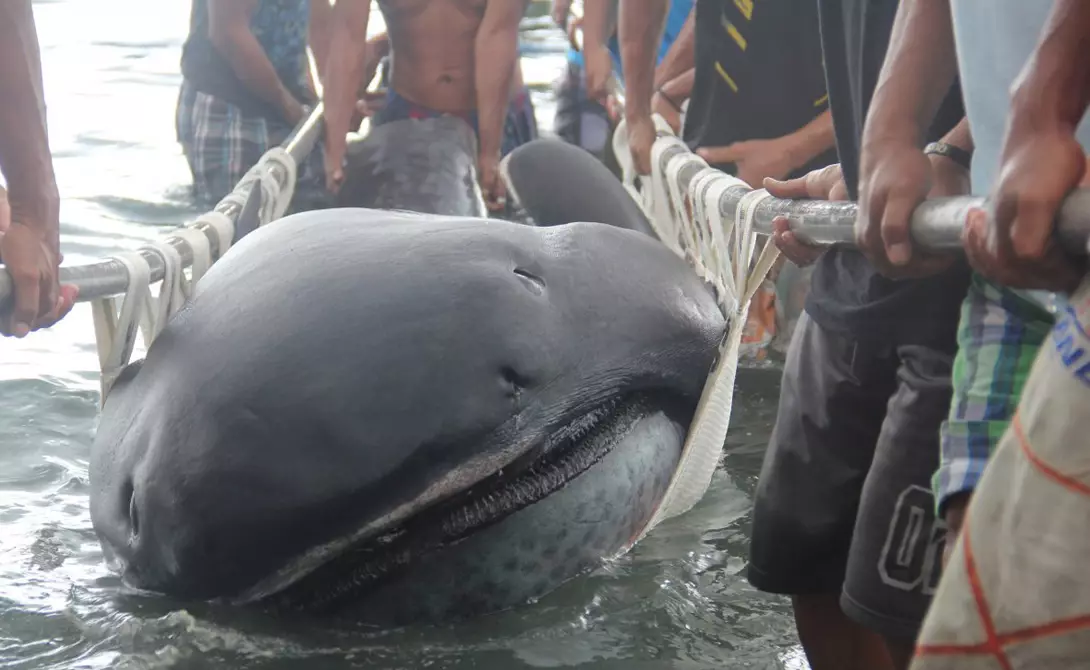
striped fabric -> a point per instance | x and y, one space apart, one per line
221 143
999 335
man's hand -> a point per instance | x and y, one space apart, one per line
598 64
755 160
664 108
1015 246
33 264
560 11
824 184
335 146
895 177
641 135
492 186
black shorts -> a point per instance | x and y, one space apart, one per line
844 503
580 120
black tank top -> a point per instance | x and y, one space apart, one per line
759 74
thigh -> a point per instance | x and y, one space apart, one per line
895 558
832 401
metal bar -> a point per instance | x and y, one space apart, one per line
109 277
936 225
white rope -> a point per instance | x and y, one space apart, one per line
158 309
115 332
721 247
201 250
220 224
277 199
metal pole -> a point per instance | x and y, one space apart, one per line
936 225
109 277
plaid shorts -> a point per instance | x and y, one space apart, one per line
999 335
221 144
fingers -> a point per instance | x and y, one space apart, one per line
793 189
789 245
66 299
839 191
894 229
27 299
727 154
989 253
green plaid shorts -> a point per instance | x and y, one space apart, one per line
999 334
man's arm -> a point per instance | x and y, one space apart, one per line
680 88
1042 160
918 71
641 26
25 159
496 50
341 81
681 56
895 175
30 229
1054 86
229 32
321 24
599 22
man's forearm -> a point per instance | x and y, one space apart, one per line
321 16
1054 86
496 59
681 56
813 139
341 81
918 72
251 65
641 24
679 88
960 136
25 159
599 22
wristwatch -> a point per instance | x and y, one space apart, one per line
957 154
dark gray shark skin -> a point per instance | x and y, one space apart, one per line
419 165
403 417
558 183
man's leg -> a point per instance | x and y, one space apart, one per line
832 403
896 554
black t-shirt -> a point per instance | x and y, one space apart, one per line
847 295
758 74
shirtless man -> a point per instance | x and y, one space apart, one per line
454 57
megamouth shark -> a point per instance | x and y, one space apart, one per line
400 411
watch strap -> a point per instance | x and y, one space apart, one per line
957 154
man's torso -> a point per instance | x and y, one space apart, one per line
432 51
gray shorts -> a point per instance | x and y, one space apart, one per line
844 503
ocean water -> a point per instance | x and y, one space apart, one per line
678 600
